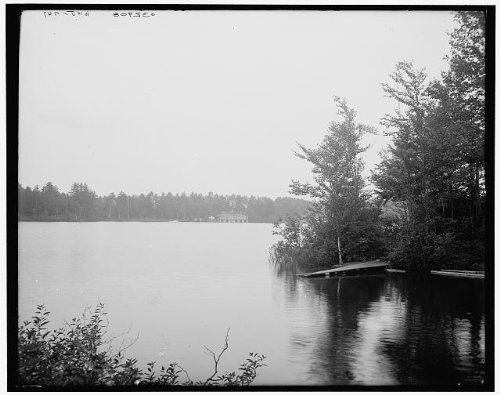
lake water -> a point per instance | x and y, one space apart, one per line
180 286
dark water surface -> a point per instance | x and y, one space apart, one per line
179 286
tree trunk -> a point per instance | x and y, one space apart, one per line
477 200
340 251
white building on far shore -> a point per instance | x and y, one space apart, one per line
231 217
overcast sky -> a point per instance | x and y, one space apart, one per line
205 100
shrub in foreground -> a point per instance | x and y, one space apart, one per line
80 354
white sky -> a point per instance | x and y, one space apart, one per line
205 100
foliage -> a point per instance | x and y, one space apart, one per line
342 222
78 354
430 183
434 169
83 204
292 251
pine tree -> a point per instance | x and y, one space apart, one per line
337 192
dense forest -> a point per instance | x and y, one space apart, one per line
81 203
428 207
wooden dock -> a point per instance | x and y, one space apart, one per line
459 273
382 267
350 269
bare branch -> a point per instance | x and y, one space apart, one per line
114 337
123 346
185 372
217 358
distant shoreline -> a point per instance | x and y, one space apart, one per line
132 220
82 204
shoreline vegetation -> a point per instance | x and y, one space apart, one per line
427 211
81 354
82 204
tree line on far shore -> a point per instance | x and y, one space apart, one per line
428 207
81 203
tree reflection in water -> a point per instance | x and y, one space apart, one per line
390 329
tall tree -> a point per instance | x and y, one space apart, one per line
434 169
50 197
404 174
337 190
463 100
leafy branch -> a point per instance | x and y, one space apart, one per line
77 354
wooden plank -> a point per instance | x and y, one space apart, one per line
361 266
395 270
463 271
348 268
457 274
